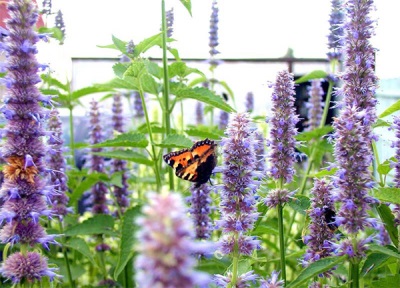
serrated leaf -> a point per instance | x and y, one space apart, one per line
136 68
176 141
300 204
188 5
146 44
126 246
373 261
316 74
384 250
130 139
180 69
174 53
386 215
204 133
316 133
384 168
54 82
381 123
119 44
81 246
387 194
324 173
200 94
314 269
119 69
148 84
85 185
154 69
98 224
128 83
127 155
393 108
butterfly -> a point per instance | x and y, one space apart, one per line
195 164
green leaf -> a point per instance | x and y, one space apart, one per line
387 194
119 44
188 5
87 91
228 89
373 261
81 246
316 133
381 123
130 139
154 69
314 269
98 224
128 83
119 69
388 281
85 185
200 94
148 84
316 74
176 141
146 44
393 108
203 133
384 168
54 32
300 204
180 69
323 173
126 246
174 53
386 215
127 155
54 82
384 250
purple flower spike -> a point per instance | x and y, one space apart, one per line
137 105
199 113
166 253
249 102
214 30
223 120
335 37
170 22
30 267
23 150
200 201
237 206
315 105
396 145
57 163
99 190
242 281
283 128
259 149
121 193
60 22
322 226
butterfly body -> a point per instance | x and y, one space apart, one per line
195 164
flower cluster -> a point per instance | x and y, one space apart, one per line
120 192
99 190
315 104
137 105
57 163
283 128
242 281
272 282
60 23
259 149
322 222
170 22
200 201
396 145
167 246
249 102
223 120
335 37
199 113
24 190
237 206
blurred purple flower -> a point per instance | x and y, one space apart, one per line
57 163
335 37
249 102
137 105
315 104
60 23
99 190
200 201
170 22
214 30
119 166
223 120
396 145
199 113
259 149
167 247
283 128
46 4
272 282
242 281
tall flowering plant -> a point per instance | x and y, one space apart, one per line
25 187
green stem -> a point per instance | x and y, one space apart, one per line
376 163
235 262
166 111
154 154
354 281
64 251
282 242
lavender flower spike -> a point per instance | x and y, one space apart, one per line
249 102
121 193
396 145
272 282
57 163
238 211
23 189
283 128
335 37
99 190
167 247
200 201
322 226
315 104
214 30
